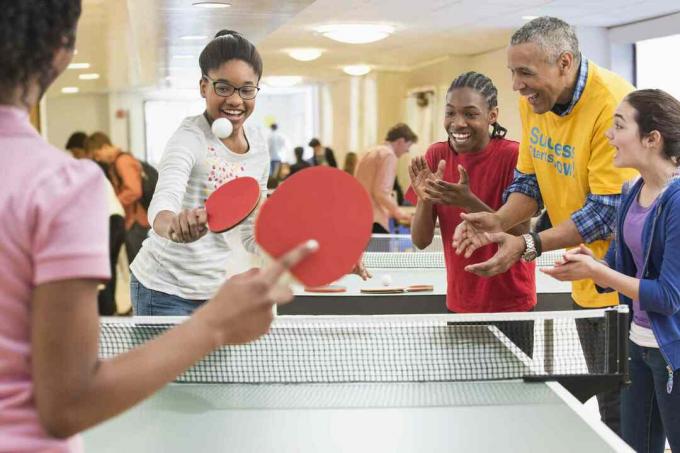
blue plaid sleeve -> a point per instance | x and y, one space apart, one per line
597 218
526 184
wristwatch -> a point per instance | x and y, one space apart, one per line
530 252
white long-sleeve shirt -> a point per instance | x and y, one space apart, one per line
194 164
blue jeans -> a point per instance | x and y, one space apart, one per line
147 302
649 413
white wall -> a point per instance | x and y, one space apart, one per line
78 112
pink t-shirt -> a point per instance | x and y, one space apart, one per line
54 227
376 171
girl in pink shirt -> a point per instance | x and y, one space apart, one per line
53 253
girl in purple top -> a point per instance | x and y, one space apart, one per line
643 265
54 254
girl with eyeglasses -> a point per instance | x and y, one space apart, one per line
180 266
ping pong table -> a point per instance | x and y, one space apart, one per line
398 399
395 256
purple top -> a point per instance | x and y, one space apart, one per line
632 237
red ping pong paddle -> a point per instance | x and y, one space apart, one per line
232 203
321 203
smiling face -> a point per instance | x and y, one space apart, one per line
236 73
624 135
467 119
541 82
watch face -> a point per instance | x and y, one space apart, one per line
529 255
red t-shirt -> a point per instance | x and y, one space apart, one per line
490 172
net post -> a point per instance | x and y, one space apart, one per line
611 349
623 316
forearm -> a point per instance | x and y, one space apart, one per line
607 277
477 205
119 383
517 209
387 202
561 236
423 224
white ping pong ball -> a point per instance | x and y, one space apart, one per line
222 128
386 280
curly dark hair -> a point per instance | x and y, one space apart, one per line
30 32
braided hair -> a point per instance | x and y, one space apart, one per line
485 87
31 31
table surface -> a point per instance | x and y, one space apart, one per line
410 416
491 416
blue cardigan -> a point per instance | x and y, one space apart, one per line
660 282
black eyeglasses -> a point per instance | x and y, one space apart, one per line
225 89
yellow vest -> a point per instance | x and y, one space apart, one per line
571 158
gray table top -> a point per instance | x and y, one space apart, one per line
372 417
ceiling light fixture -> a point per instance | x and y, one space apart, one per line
213 4
89 76
70 90
356 33
282 81
305 54
79 66
356 69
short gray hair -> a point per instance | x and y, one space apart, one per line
551 34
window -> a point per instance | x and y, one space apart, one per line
657 65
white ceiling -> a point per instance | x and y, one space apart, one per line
135 43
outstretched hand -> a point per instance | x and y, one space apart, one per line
453 194
510 249
469 234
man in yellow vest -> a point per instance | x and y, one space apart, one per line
565 164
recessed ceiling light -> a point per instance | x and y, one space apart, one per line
356 33
529 17
356 69
79 66
306 54
213 4
69 90
282 81
193 37
89 76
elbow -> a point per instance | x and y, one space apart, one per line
59 421
420 242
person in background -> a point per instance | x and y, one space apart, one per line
377 170
351 160
55 255
76 144
125 173
643 265
300 163
323 155
107 294
277 145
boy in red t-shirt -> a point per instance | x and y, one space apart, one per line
468 173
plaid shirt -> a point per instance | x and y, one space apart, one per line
595 220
